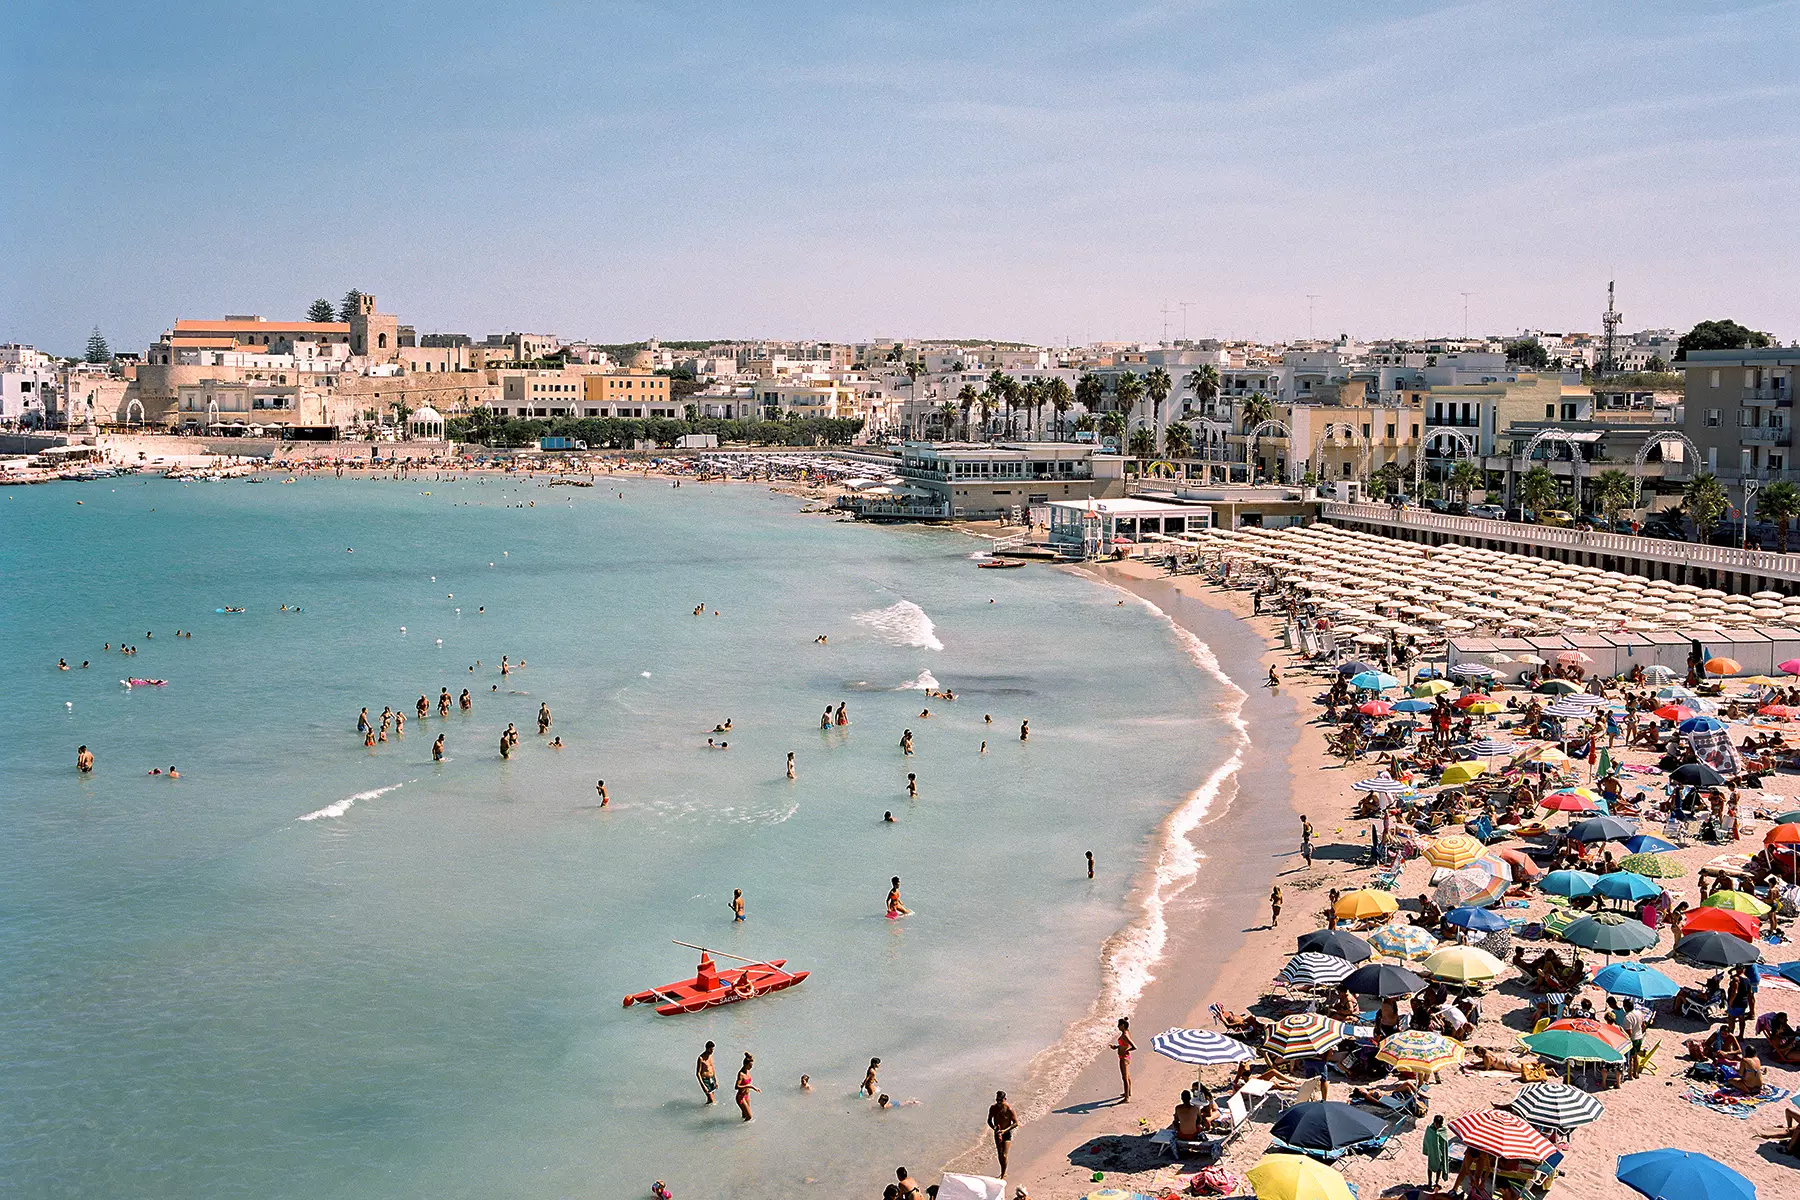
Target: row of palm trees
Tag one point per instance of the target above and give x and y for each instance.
(1005, 394)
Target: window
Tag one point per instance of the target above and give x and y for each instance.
(380, 341)
(1714, 381)
(1712, 415)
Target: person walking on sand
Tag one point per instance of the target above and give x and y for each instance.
(1002, 1120)
(1274, 906)
(1306, 842)
(744, 1087)
(1274, 679)
(708, 1077)
(1124, 1045)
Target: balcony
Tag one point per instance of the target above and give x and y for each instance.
(1765, 435)
(1779, 396)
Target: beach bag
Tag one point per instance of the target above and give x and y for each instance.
(1214, 1181)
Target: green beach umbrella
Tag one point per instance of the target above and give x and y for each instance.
(1610, 933)
(1564, 1044)
(1742, 902)
(1652, 866)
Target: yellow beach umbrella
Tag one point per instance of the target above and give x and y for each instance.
(1462, 964)
(1295, 1177)
(1430, 688)
(1742, 902)
(1460, 773)
(1364, 903)
(1484, 708)
(1454, 850)
(1548, 755)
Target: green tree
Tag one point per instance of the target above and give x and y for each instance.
(1611, 490)
(1656, 365)
(1128, 389)
(1465, 477)
(97, 349)
(352, 299)
(1178, 440)
(1089, 391)
(320, 311)
(1705, 500)
(947, 418)
(1143, 444)
(1060, 398)
(1204, 383)
(1780, 503)
(1257, 409)
(1084, 423)
(1719, 335)
(1112, 424)
(1387, 479)
(1527, 352)
(1537, 490)
(1158, 385)
(965, 400)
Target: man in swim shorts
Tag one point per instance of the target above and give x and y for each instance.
(1002, 1120)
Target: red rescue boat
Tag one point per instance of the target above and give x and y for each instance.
(711, 987)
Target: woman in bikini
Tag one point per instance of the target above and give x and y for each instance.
(745, 1087)
(1125, 1046)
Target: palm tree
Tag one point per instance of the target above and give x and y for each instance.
(1780, 503)
(1537, 490)
(1158, 385)
(1084, 423)
(1705, 500)
(965, 400)
(1465, 478)
(1257, 409)
(1387, 478)
(1128, 389)
(1143, 444)
(987, 412)
(1089, 391)
(1060, 398)
(1611, 490)
(1112, 424)
(1204, 383)
(1178, 440)
(947, 416)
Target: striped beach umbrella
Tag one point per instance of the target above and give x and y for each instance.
(1554, 1105)
(1454, 850)
(1401, 940)
(1585, 699)
(1383, 784)
(1303, 1035)
(1473, 671)
(1312, 969)
(1488, 747)
(1201, 1047)
(1502, 1135)
(1473, 886)
(1545, 755)
(1420, 1052)
(1612, 1035)
(1569, 709)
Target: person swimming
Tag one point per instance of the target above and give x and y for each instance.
(887, 818)
(556, 743)
(912, 785)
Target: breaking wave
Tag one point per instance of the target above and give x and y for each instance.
(341, 807)
(902, 624)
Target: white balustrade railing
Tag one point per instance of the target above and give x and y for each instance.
(1725, 558)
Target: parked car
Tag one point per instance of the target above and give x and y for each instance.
(1556, 517)
(1664, 528)
(1491, 512)
(1438, 506)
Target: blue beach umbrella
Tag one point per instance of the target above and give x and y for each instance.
(1204, 1047)
(1790, 971)
(1426, 673)
(1643, 843)
(1487, 747)
(1682, 1175)
(1627, 886)
(1637, 980)
(1354, 666)
(1479, 919)
(1569, 883)
(1374, 681)
(1701, 725)
(1413, 704)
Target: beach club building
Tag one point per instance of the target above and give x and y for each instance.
(981, 481)
(1098, 526)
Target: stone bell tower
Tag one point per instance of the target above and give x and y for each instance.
(374, 334)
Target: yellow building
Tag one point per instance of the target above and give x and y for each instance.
(628, 394)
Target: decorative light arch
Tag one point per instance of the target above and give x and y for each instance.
(1255, 435)
(1575, 459)
(1356, 439)
(140, 413)
(1656, 439)
(1464, 443)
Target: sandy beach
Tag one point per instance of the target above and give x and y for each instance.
(1221, 950)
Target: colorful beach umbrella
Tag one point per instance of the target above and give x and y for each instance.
(1569, 802)
(1487, 747)
(1737, 902)
(1565, 1044)
(1383, 979)
(1473, 671)
(1700, 724)
(1365, 903)
(1326, 1125)
(1502, 1135)
(1383, 784)
(1413, 704)
(1715, 949)
(1781, 712)
(1339, 942)
(1570, 709)
(1462, 964)
(1627, 887)
(1652, 866)
(1419, 1052)
(1785, 834)
(1658, 673)
(1403, 940)
(1722, 666)
(1311, 969)
(1459, 773)
(1610, 933)
(1682, 1175)
(1473, 698)
(1556, 1105)
(1546, 755)
(1454, 850)
(1474, 886)
(1524, 870)
(1722, 920)
(1200, 1047)
(1302, 1035)
(1295, 1177)
(1375, 708)
(1637, 980)
(1569, 883)
(1676, 712)
(1612, 1035)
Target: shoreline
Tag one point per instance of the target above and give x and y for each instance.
(1239, 841)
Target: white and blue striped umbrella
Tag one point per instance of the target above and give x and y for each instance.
(1586, 698)
(1201, 1047)
(1488, 746)
(1312, 969)
(1473, 671)
(1563, 708)
(1383, 783)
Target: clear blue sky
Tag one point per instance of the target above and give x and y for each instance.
(1026, 170)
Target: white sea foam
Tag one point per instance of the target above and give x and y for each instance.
(343, 806)
(902, 623)
(926, 682)
(1129, 958)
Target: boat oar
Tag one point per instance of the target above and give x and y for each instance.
(755, 962)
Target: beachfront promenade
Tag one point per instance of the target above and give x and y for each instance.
(1725, 567)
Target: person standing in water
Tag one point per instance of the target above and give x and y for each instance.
(894, 907)
(1090, 862)
(869, 1086)
(444, 702)
(737, 905)
(745, 1087)
(1025, 730)
(423, 708)
(912, 785)
(437, 749)
(906, 742)
(543, 718)
(790, 764)
(465, 703)
(505, 745)
(1124, 1045)
(600, 789)
(708, 1077)
(84, 760)
(843, 715)
(362, 720)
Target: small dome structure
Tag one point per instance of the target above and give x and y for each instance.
(426, 423)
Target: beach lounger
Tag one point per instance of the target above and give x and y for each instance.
(1210, 1148)
(1646, 1061)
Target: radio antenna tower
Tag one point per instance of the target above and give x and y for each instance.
(1609, 338)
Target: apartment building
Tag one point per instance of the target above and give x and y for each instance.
(628, 394)
(1738, 409)
(541, 394)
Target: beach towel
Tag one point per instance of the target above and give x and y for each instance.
(1734, 1104)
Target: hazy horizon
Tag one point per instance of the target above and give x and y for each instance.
(1044, 173)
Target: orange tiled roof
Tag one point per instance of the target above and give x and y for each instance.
(222, 326)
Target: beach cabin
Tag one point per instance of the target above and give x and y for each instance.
(1091, 527)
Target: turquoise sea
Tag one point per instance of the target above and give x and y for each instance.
(310, 968)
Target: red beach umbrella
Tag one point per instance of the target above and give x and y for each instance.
(1569, 802)
(1782, 835)
(1502, 1135)
(1721, 920)
(1781, 712)
(1375, 708)
(1676, 712)
(1612, 1035)
(1473, 698)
